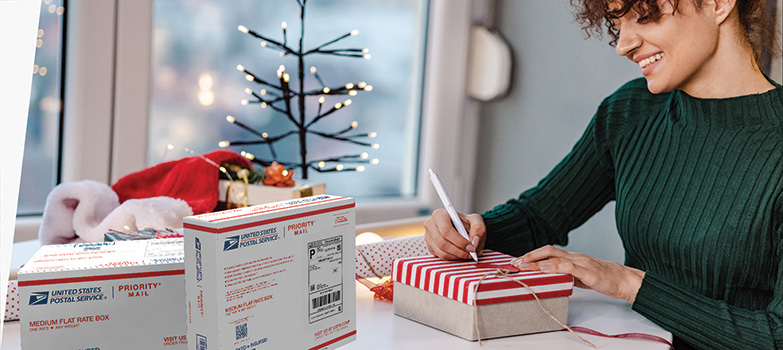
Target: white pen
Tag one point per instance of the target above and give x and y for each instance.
(444, 197)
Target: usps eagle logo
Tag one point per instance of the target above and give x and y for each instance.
(39, 298)
(231, 243)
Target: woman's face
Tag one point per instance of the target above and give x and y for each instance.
(676, 51)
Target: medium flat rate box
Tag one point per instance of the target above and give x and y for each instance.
(124, 295)
(440, 294)
(273, 276)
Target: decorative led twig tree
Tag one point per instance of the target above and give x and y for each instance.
(281, 98)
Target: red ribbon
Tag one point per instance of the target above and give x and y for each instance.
(644, 336)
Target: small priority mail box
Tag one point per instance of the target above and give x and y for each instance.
(125, 295)
(273, 276)
(440, 294)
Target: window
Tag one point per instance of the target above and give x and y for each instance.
(40, 168)
(111, 117)
(195, 85)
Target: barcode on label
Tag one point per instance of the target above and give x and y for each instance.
(326, 299)
(241, 331)
(201, 342)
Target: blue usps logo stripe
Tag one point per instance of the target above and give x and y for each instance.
(39, 298)
(231, 243)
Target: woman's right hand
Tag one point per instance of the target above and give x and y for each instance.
(445, 242)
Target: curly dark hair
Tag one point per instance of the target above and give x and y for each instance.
(757, 22)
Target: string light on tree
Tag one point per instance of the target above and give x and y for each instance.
(288, 98)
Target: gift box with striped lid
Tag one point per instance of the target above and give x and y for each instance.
(442, 294)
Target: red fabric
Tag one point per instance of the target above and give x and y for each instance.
(191, 179)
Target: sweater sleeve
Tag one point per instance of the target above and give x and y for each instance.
(713, 324)
(578, 187)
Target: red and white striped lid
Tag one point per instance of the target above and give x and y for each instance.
(457, 279)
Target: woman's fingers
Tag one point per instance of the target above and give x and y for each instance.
(606, 277)
(551, 265)
(442, 239)
(477, 231)
(544, 252)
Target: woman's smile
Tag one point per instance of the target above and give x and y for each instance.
(649, 62)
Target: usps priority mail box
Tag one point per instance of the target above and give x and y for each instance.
(111, 296)
(272, 276)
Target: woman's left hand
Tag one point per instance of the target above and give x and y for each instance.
(606, 277)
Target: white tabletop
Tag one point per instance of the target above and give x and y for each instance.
(379, 328)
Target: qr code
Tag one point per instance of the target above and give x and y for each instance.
(241, 331)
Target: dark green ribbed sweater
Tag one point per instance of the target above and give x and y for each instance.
(699, 191)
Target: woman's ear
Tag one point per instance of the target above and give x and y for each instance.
(722, 9)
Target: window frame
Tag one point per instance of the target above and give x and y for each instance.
(107, 90)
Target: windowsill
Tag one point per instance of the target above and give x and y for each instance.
(395, 228)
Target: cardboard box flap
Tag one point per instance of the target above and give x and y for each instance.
(79, 256)
(458, 279)
(240, 216)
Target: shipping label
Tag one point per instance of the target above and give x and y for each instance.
(325, 278)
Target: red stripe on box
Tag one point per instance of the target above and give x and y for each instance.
(413, 265)
(265, 222)
(415, 271)
(461, 281)
(406, 264)
(451, 276)
(435, 277)
(539, 279)
(454, 277)
(346, 335)
(410, 267)
(542, 295)
(535, 281)
(118, 276)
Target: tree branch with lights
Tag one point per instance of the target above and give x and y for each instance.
(281, 97)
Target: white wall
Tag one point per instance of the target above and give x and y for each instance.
(559, 80)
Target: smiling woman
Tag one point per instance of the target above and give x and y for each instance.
(692, 153)
(651, 33)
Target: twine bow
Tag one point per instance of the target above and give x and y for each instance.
(503, 273)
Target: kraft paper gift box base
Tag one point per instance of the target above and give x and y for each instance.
(440, 294)
(236, 194)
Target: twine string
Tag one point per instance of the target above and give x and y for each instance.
(502, 273)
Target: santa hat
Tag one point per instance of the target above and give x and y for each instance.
(157, 197)
(192, 179)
